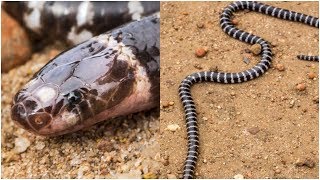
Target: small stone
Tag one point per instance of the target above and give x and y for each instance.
(235, 21)
(247, 51)
(238, 176)
(198, 66)
(200, 25)
(200, 52)
(165, 105)
(75, 161)
(292, 102)
(253, 130)
(16, 48)
(150, 175)
(277, 171)
(205, 118)
(171, 176)
(171, 103)
(40, 145)
(280, 67)
(274, 44)
(232, 93)
(316, 99)
(306, 162)
(255, 49)
(301, 87)
(165, 162)
(172, 127)
(311, 75)
(246, 60)
(21, 145)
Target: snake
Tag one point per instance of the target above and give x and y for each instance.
(113, 74)
(232, 78)
(75, 21)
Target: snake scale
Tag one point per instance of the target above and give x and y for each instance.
(231, 78)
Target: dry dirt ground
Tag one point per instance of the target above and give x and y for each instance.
(126, 147)
(263, 128)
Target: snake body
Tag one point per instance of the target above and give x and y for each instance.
(113, 74)
(74, 22)
(230, 78)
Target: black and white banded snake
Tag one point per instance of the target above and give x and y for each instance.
(232, 78)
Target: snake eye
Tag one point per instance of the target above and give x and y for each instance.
(74, 97)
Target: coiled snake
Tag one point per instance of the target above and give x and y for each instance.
(230, 78)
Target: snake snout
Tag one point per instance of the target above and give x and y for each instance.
(19, 115)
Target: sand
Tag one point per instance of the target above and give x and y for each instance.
(264, 128)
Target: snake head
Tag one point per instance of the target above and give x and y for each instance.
(78, 88)
(113, 74)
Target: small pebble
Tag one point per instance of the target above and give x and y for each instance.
(311, 75)
(198, 66)
(246, 60)
(238, 176)
(301, 87)
(149, 175)
(280, 67)
(255, 49)
(40, 145)
(171, 103)
(205, 118)
(247, 51)
(21, 144)
(235, 21)
(201, 52)
(253, 130)
(165, 105)
(306, 162)
(200, 25)
(173, 127)
(274, 44)
(277, 171)
(16, 42)
(171, 176)
(292, 103)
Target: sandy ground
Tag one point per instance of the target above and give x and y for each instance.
(125, 147)
(264, 128)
